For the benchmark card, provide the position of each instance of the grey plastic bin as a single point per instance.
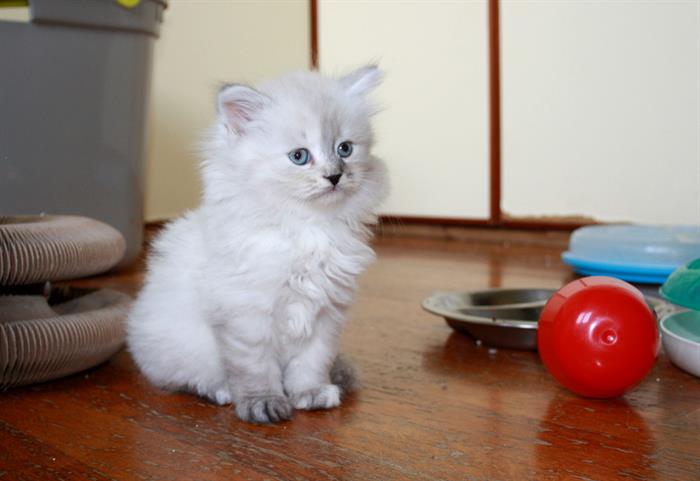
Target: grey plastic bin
(73, 95)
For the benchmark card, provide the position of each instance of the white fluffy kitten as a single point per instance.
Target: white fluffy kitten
(244, 298)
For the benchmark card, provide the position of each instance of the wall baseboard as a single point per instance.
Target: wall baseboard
(536, 232)
(397, 227)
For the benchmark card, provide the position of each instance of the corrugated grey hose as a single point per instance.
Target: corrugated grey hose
(53, 248)
(67, 330)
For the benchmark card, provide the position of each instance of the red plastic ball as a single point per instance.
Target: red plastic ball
(598, 337)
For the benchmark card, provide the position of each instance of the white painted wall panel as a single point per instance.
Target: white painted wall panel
(433, 132)
(204, 43)
(601, 112)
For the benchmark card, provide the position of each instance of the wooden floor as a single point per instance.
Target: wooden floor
(433, 406)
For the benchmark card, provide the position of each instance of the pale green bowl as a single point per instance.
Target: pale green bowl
(683, 286)
(681, 338)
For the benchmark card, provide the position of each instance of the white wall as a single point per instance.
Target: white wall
(433, 133)
(204, 43)
(601, 107)
(601, 114)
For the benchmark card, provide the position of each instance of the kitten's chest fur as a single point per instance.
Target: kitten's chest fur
(318, 280)
(323, 265)
(297, 274)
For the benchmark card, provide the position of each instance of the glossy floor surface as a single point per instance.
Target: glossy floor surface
(433, 406)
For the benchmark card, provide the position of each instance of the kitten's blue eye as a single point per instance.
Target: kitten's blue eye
(299, 156)
(344, 149)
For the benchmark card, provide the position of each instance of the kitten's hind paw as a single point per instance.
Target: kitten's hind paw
(264, 409)
(324, 397)
(344, 375)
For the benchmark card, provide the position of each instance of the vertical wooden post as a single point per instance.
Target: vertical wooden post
(494, 111)
(313, 7)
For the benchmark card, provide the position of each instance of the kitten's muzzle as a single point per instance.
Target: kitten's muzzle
(334, 179)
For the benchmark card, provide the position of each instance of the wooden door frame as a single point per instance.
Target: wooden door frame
(497, 218)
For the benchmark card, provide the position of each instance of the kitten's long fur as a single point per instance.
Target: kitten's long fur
(245, 297)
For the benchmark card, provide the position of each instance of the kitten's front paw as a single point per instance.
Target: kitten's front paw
(264, 409)
(299, 321)
(324, 397)
(220, 396)
(299, 328)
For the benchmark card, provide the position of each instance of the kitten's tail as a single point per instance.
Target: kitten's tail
(344, 375)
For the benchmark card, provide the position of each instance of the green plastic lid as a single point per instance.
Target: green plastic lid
(683, 286)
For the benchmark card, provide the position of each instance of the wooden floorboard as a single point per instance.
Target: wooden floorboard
(433, 404)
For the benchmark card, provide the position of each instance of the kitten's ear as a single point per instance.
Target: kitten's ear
(238, 105)
(362, 81)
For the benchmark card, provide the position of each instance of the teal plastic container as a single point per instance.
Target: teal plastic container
(681, 330)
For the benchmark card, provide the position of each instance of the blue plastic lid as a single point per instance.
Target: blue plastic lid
(637, 253)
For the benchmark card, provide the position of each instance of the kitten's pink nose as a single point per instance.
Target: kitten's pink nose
(334, 179)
